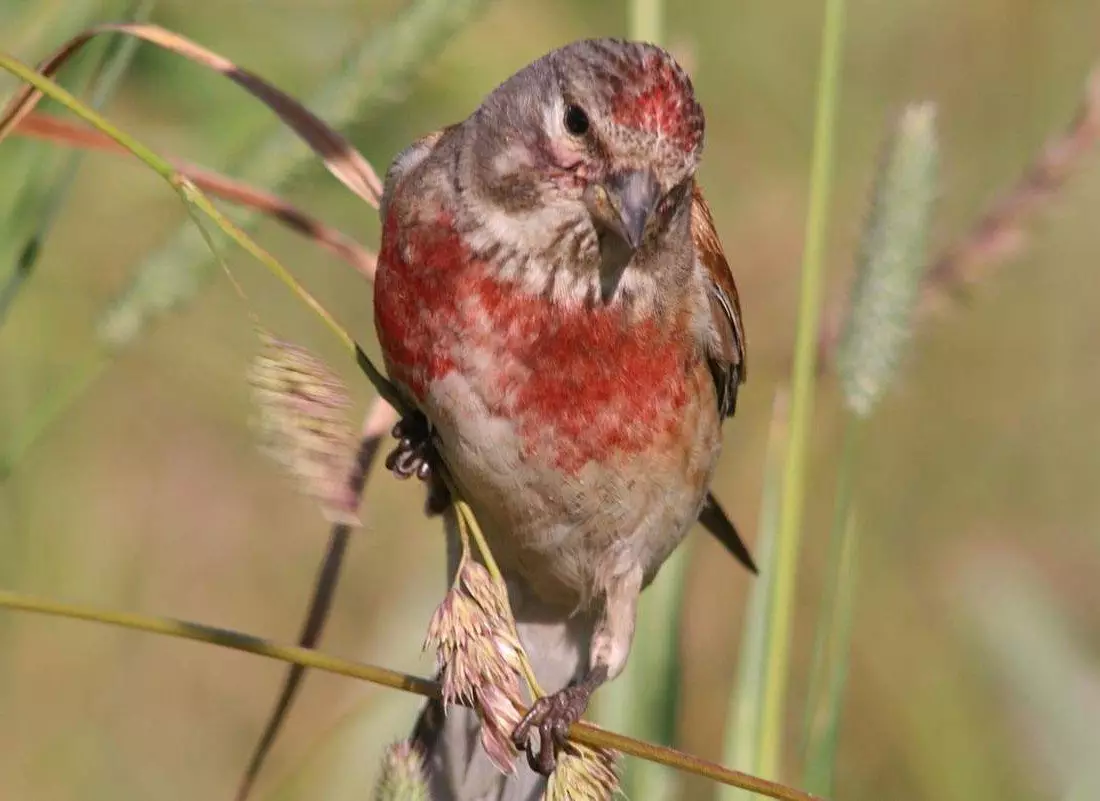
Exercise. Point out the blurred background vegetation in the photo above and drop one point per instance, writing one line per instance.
(975, 666)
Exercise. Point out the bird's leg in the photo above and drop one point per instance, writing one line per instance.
(553, 714)
(415, 454)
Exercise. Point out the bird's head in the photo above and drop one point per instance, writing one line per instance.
(596, 144)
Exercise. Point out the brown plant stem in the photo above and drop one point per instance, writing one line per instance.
(376, 425)
(50, 128)
(584, 733)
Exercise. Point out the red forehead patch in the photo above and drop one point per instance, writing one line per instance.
(656, 96)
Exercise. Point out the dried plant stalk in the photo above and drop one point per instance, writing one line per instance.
(1002, 232)
(49, 128)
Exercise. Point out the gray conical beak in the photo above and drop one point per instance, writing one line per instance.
(622, 206)
(632, 195)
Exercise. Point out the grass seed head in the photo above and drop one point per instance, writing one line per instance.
(584, 774)
(301, 416)
(402, 776)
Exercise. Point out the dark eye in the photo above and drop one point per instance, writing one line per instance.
(576, 121)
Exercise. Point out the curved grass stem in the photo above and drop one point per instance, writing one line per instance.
(583, 733)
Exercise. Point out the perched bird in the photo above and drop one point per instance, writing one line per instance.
(553, 300)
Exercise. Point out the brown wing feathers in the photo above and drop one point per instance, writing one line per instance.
(726, 357)
(727, 352)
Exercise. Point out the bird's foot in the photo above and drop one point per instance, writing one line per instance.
(551, 716)
(415, 455)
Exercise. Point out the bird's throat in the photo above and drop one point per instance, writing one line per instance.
(615, 257)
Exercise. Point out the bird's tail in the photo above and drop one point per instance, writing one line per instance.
(456, 764)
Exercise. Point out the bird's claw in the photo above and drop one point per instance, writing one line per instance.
(551, 716)
(414, 453)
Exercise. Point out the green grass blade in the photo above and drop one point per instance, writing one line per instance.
(1042, 668)
(197, 202)
(832, 653)
(884, 299)
(744, 721)
(370, 77)
(105, 67)
(803, 380)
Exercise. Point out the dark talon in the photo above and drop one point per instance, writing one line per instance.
(533, 758)
(414, 452)
(551, 716)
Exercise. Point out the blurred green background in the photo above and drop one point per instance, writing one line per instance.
(975, 672)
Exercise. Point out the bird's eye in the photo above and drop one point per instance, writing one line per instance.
(576, 121)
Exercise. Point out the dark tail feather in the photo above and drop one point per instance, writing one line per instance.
(714, 520)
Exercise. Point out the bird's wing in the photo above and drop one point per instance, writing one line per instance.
(725, 354)
(404, 162)
(726, 350)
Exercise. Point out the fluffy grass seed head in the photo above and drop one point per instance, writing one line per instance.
(402, 775)
(479, 661)
(584, 774)
(301, 417)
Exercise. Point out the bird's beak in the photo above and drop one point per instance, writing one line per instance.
(624, 203)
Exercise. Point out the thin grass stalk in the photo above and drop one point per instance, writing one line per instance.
(583, 733)
(196, 199)
(828, 670)
(823, 726)
(106, 69)
(880, 321)
(51, 128)
(646, 20)
(803, 378)
(745, 716)
(371, 76)
(376, 425)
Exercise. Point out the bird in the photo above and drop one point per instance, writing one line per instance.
(554, 306)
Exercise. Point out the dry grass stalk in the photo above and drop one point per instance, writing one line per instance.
(1001, 233)
(341, 159)
(49, 128)
(376, 425)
